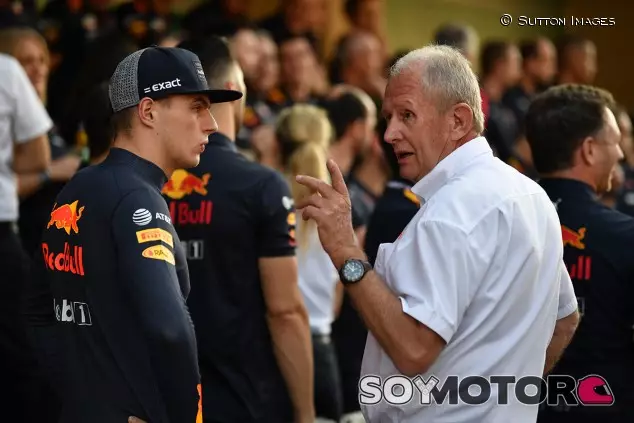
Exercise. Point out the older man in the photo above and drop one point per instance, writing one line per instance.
(475, 285)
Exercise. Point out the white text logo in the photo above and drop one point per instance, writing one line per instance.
(163, 85)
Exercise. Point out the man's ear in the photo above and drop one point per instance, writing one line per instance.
(588, 151)
(147, 112)
(461, 120)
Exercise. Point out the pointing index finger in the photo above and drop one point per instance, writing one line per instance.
(338, 183)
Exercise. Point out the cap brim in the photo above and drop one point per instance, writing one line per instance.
(221, 96)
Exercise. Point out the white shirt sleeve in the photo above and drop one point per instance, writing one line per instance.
(567, 297)
(436, 273)
(30, 118)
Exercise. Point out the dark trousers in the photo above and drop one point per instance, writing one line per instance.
(24, 392)
(328, 395)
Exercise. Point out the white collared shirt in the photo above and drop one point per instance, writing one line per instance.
(481, 264)
(23, 117)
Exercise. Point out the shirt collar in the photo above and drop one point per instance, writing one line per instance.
(151, 172)
(218, 139)
(568, 188)
(451, 166)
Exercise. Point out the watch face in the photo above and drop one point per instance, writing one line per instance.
(353, 271)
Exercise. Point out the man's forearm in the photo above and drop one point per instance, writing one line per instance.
(293, 349)
(398, 333)
(562, 335)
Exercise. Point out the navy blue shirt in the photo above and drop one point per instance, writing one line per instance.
(599, 254)
(111, 281)
(229, 212)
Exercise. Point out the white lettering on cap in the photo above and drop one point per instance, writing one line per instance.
(163, 86)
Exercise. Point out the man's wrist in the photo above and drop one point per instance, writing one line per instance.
(45, 177)
(344, 254)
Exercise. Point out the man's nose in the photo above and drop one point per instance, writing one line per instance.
(391, 134)
(210, 125)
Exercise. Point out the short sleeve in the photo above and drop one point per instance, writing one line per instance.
(567, 298)
(435, 269)
(277, 220)
(30, 118)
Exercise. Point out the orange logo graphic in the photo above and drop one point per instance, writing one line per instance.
(199, 416)
(70, 261)
(66, 217)
(155, 234)
(159, 252)
(183, 183)
(573, 238)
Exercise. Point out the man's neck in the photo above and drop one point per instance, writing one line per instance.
(343, 154)
(493, 88)
(147, 151)
(566, 77)
(528, 85)
(223, 114)
(372, 174)
(298, 93)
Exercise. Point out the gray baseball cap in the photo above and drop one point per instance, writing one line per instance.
(158, 72)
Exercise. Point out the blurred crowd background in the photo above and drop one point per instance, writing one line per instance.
(331, 54)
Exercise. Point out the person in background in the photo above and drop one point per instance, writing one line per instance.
(625, 196)
(353, 116)
(359, 63)
(576, 60)
(368, 16)
(219, 17)
(539, 67)
(37, 191)
(465, 39)
(24, 149)
(298, 72)
(394, 209)
(95, 119)
(304, 134)
(296, 18)
(238, 227)
(501, 70)
(264, 97)
(575, 141)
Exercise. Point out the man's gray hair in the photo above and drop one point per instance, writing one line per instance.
(447, 75)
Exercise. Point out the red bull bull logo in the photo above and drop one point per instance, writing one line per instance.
(65, 217)
(183, 183)
(572, 238)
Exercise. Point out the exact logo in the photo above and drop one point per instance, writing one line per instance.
(69, 261)
(163, 86)
(66, 217)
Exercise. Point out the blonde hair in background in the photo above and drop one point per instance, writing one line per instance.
(10, 39)
(304, 133)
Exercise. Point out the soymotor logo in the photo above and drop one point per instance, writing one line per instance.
(591, 390)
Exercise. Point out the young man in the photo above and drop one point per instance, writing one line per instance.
(235, 218)
(115, 277)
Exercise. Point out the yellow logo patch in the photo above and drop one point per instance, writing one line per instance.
(159, 252)
(155, 234)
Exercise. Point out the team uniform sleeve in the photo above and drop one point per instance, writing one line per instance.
(277, 220)
(30, 118)
(146, 259)
(435, 270)
(567, 298)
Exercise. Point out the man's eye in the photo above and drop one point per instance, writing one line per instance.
(407, 115)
